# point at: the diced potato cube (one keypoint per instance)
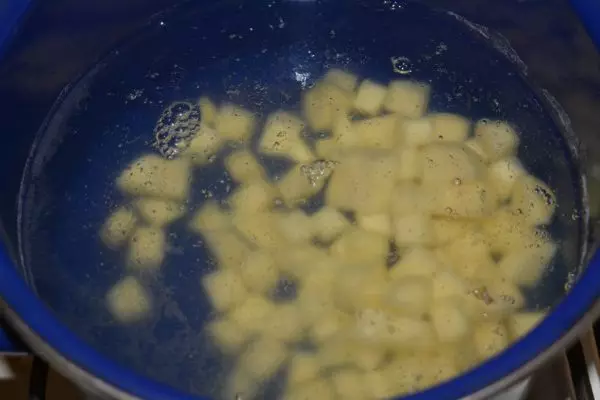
(506, 297)
(449, 127)
(208, 111)
(128, 301)
(468, 254)
(329, 149)
(282, 136)
(228, 248)
(410, 295)
(241, 383)
(407, 98)
(303, 367)
(367, 357)
(255, 196)
(343, 79)
(284, 323)
(409, 164)
(118, 227)
(414, 229)
(448, 229)
(417, 132)
(243, 167)
(209, 218)
(315, 299)
(472, 144)
(447, 284)
(376, 223)
(369, 97)
(319, 389)
(296, 226)
(328, 325)
(295, 186)
(159, 212)
(379, 385)
(203, 146)
(335, 353)
(260, 229)
(408, 198)
(252, 313)
(225, 289)
(299, 260)
(358, 246)
(349, 384)
(263, 358)
(322, 105)
(503, 174)
(448, 164)
(490, 338)
(259, 272)
(508, 231)
(146, 248)
(362, 182)
(525, 267)
(235, 123)
(328, 223)
(360, 286)
(463, 200)
(413, 372)
(497, 138)
(533, 199)
(377, 132)
(376, 327)
(449, 321)
(521, 323)
(417, 262)
(153, 176)
(227, 335)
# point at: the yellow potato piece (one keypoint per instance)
(497, 138)
(376, 223)
(343, 79)
(146, 249)
(409, 164)
(448, 164)
(533, 199)
(118, 227)
(375, 326)
(243, 167)
(210, 217)
(473, 145)
(228, 248)
(409, 198)
(503, 174)
(359, 286)
(410, 295)
(260, 229)
(295, 186)
(490, 338)
(303, 367)
(263, 358)
(208, 111)
(128, 301)
(282, 136)
(322, 105)
(296, 226)
(525, 267)
(153, 176)
(328, 223)
(235, 123)
(203, 146)
(227, 335)
(159, 212)
(319, 389)
(255, 196)
(224, 289)
(467, 254)
(407, 98)
(462, 200)
(350, 384)
(449, 127)
(417, 132)
(416, 262)
(377, 132)
(369, 97)
(252, 313)
(357, 246)
(450, 322)
(508, 231)
(413, 229)
(519, 324)
(328, 325)
(284, 323)
(448, 229)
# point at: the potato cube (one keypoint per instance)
(243, 167)
(259, 272)
(297, 261)
(380, 386)
(447, 229)
(328, 223)
(227, 335)
(319, 389)
(252, 313)
(360, 286)
(508, 232)
(468, 254)
(362, 182)
(367, 357)
(296, 226)
(408, 198)
(322, 105)
(416, 262)
(263, 358)
(203, 146)
(153, 176)
(255, 196)
(146, 248)
(505, 295)
(235, 123)
(413, 372)
(417, 132)
(533, 199)
(407, 98)
(208, 111)
(449, 285)
(224, 289)
(128, 301)
(209, 218)
(449, 127)
(335, 353)
(521, 323)
(343, 79)
(376, 327)
(462, 200)
(315, 299)
(376, 223)
(329, 149)
(349, 384)
(490, 338)
(159, 212)
(260, 229)
(357, 246)
(241, 383)
(525, 267)
(377, 132)
(369, 97)
(118, 227)
(284, 323)
(295, 186)
(282, 136)
(303, 367)
(329, 325)
(497, 138)
(503, 174)
(472, 145)
(413, 229)
(448, 164)
(450, 322)
(409, 164)
(410, 295)
(228, 248)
